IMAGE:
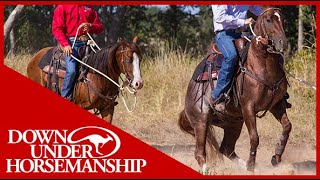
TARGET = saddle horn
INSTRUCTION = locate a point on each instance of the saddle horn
(135, 39)
(120, 39)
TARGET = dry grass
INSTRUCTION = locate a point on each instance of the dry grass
(18, 62)
(162, 98)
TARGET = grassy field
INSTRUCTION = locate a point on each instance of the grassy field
(166, 77)
(162, 98)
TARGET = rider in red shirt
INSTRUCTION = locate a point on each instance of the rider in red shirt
(66, 20)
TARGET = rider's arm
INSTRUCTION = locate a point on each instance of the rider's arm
(96, 25)
(220, 16)
(58, 26)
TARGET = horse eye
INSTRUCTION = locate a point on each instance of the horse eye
(129, 60)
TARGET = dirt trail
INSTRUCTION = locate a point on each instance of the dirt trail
(296, 160)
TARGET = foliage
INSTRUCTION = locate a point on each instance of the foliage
(291, 14)
(189, 25)
(303, 66)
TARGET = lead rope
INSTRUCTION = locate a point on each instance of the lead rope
(298, 79)
(254, 34)
(272, 51)
(121, 88)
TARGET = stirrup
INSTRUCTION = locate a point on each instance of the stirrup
(222, 98)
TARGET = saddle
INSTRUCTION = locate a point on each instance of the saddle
(209, 67)
(53, 63)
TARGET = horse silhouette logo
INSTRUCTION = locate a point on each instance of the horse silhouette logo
(97, 140)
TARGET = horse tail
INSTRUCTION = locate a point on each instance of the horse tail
(212, 152)
(185, 124)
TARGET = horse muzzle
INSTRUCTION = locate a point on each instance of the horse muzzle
(280, 44)
(137, 84)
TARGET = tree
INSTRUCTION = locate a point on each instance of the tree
(300, 29)
(115, 23)
(11, 19)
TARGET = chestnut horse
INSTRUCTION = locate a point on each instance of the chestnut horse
(259, 85)
(97, 91)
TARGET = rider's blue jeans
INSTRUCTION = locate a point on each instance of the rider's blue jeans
(225, 43)
(71, 70)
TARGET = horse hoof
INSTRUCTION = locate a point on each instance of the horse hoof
(250, 169)
(242, 164)
(274, 161)
(203, 170)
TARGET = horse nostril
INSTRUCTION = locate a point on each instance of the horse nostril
(137, 84)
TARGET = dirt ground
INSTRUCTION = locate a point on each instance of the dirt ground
(154, 121)
(296, 160)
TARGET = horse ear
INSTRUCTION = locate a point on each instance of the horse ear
(135, 39)
(119, 39)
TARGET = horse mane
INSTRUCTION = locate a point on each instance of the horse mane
(104, 60)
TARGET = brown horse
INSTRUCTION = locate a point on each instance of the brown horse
(97, 91)
(260, 85)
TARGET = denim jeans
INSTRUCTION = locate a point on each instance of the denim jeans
(225, 43)
(71, 70)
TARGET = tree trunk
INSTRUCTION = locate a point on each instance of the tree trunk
(12, 41)
(104, 13)
(113, 31)
(300, 29)
(11, 19)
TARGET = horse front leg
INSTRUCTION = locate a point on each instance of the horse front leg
(279, 112)
(250, 121)
(107, 113)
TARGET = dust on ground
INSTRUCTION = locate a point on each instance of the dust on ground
(296, 160)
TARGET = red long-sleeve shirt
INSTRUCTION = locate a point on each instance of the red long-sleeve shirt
(67, 19)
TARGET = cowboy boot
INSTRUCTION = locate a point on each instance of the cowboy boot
(219, 103)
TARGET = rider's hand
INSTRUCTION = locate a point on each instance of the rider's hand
(248, 21)
(86, 26)
(67, 50)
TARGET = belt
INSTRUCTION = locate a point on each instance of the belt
(83, 38)
(238, 30)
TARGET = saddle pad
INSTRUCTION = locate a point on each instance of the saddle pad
(205, 76)
(202, 67)
(61, 73)
(46, 59)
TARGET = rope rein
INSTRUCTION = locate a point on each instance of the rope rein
(270, 50)
(122, 88)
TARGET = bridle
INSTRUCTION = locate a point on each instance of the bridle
(129, 78)
(265, 41)
(273, 87)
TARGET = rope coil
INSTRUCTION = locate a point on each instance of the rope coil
(122, 88)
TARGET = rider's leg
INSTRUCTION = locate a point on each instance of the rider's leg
(225, 43)
(71, 72)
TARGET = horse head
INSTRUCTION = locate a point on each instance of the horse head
(128, 58)
(269, 25)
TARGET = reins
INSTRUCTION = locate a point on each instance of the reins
(123, 87)
(272, 87)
